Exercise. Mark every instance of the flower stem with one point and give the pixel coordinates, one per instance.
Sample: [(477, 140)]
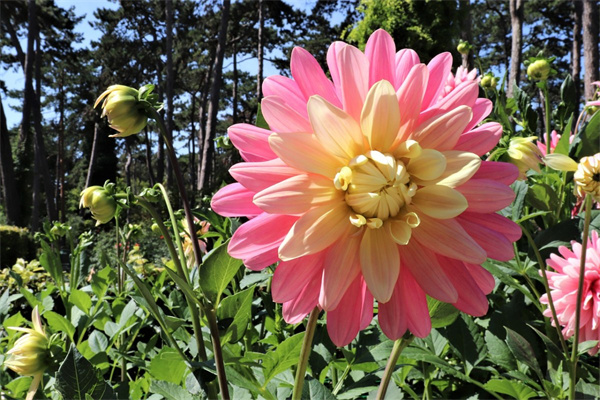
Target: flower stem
[(217, 353), (584, 242), (547, 288), (399, 345), (547, 114), (304, 353)]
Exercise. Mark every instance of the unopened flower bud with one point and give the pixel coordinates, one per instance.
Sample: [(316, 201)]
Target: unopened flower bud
[(101, 204), (155, 228), (539, 70), (463, 47), (29, 355), (489, 81), (524, 154), (126, 108)]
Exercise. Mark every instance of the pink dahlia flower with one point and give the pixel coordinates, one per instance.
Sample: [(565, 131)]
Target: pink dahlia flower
[(462, 75), (371, 186), (564, 283)]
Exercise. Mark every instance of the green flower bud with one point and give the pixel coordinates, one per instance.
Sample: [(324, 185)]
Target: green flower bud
[(156, 229), (539, 70), (524, 154), (124, 110), (464, 47), (102, 205)]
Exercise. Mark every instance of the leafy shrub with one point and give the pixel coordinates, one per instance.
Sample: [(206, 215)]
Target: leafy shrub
[(16, 243)]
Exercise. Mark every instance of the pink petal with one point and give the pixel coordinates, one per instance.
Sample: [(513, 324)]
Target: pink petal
[(341, 266), (310, 77), (496, 222), (427, 272), (464, 94), (332, 64), (234, 201), (496, 245), (251, 141), (343, 323), (291, 277), (485, 195), (409, 96), (353, 84), (470, 297), (381, 53), (257, 176), (288, 90), (405, 60), (481, 109), (482, 277), (480, 140), (281, 117), (259, 235), (419, 322), (448, 238), (439, 68), (501, 172), (295, 310), (442, 132), (367, 310)]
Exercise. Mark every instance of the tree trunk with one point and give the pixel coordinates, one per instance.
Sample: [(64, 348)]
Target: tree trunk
[(465, 32), (7, 172), (213, 105), (42, 172), (576, 52), (60, 168), (590, 46), (193, 149), (24, 135), (160, 156), (234, 85), (516, 21), (169, 91), (260, 56), (88, 179)]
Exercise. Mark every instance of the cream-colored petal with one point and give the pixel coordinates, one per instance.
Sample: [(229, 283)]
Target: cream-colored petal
[(315, 231), (380, 117), (430, 165), (298, 194), (337, 131), (380, 262), (305, 152), (560, 162), (440, 202), (441, 132), (399, 230), (460, 167)]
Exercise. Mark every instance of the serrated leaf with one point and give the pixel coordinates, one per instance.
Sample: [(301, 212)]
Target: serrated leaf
[(520, 189), (239, 308), (513, 388), (283, 357), (314, 390), (463, 336), (77, 377), (170, 391), (58, 323), (522, 350), (217, 270), (499, 353)]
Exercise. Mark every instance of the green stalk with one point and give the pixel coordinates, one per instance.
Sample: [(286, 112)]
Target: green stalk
[(399, 345), (304, 353), (547, 288), (527, 278), (547, 107), (214, 331), (584, 241)]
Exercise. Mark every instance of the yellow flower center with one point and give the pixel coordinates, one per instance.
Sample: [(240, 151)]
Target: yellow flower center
[(377, 187)]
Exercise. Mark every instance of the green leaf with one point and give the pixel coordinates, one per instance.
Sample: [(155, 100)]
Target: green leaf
[(98, 342), (15, 320), (4, 303), (217, 270), (522, 351), (82, 300), (58, 323), (101, 280), (127, 312), (238, 307), (31, 299), (283, 357), (314, 390), (170, 391), (442, 314), (520, 189), (76, 378), (542, 197), (499, 352), (513, 388), (18, 387), (583, 347), (463, 336), (50, 260), (562, 147), (589, 137), (167, 365)]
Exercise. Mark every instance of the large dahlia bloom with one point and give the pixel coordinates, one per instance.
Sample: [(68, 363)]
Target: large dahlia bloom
[(371, 186), (563, 289)]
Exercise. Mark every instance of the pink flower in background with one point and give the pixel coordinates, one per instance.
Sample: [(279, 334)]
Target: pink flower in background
[(462, 75), (564, 283), (371, 186), (554, 138), (596, 102)]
